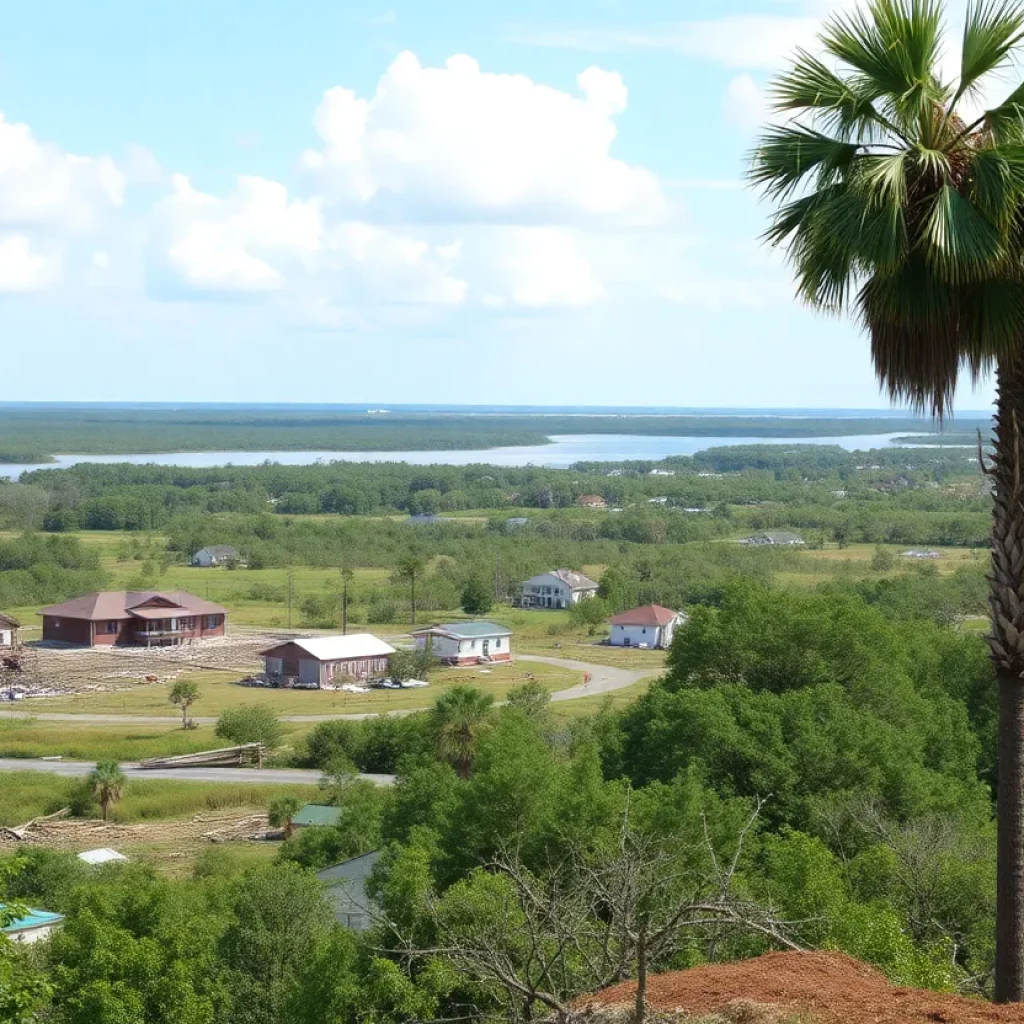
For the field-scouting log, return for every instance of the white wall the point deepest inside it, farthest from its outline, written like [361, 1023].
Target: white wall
[561, 593]
[633, 636]
[6, 637]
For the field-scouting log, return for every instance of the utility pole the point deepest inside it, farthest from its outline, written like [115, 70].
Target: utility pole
[291, 576]
[346, 574]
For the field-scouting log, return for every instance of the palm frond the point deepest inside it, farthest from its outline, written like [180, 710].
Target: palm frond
[1005, 123]
[996, 185]
[786, 155]
[992, 312]
[913, 321]
[993, 29]
[961, 245]
[894, 44]
[838, 105]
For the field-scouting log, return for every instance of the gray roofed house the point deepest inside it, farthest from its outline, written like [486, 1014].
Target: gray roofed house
[346, 890]
[216, 554]
[559, 588]
[780, 538]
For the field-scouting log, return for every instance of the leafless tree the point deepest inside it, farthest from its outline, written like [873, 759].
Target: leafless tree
[596, 917]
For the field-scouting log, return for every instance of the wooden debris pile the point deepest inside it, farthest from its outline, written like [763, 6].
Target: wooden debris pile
[246, 755]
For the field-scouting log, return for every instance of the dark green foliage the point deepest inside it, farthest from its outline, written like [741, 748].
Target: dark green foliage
[251, 723]
[477, 597]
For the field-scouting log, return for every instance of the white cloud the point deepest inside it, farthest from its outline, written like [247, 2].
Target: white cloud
[22, 268]
[100, 260]
[532, 268]
[141, 166]
[386, 266]
[40, 185]
[745, 102]
[460, 144]
[239, 244]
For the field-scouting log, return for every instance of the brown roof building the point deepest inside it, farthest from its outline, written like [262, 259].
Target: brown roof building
[133, 618]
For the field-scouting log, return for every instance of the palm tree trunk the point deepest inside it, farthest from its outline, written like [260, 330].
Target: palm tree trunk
[1007, 643]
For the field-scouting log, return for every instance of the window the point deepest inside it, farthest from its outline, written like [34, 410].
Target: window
[56, 623]
[112, 627]
[212, 621]
[497, 643]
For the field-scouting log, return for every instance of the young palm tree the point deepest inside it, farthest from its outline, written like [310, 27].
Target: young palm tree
[106, 781]
[460, 716]
[281, 811]
[898, 206]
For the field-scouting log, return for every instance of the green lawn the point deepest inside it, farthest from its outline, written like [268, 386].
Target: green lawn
[25, 795]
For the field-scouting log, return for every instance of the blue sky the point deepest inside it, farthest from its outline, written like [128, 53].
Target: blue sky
[336, 201]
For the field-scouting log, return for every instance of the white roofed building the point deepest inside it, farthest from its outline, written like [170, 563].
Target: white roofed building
[560, 588]
[466, 643]
[327, 662]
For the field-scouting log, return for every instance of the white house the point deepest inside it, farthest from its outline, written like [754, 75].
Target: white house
[649, 626]
[8, 631]
[774, 538]
[326, 662]
[466, 643]
[35, 926]
[559, 588]
[215, 554]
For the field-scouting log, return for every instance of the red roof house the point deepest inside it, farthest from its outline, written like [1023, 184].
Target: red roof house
[648, 626]
[133, 618]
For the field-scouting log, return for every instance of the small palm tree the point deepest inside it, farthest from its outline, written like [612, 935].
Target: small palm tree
[459, 718]
[184, 693]
[106, 781]
[898, 206]
[409, 569]
[282, 811]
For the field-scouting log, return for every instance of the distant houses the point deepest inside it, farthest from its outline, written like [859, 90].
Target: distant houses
[216, 554]
[34, 926]
[466, 643]
[591, 501]
[516, 522]
[10, 632]
[327, 662]
[774, 538]
[133, 619]
[559, 588]
[922, 554]
[346, 890]
[648, 626]
[427, 519]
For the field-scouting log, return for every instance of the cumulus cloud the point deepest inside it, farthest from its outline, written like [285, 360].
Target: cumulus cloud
[745, 102]
[40, 185]
[22, 268]
[533, 268]
[237, 244]
[461, 144]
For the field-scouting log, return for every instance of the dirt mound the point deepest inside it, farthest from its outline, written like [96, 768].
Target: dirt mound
[827, 987]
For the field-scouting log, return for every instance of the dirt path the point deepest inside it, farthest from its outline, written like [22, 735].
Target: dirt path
[603, 678]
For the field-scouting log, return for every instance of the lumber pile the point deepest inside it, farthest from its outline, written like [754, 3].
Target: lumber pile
[245, 755]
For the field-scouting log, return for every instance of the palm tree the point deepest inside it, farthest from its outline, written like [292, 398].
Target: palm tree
[410, 568]
[106, 781]
[184, 693]
[460, 716]
[282, 811]
[899, 207]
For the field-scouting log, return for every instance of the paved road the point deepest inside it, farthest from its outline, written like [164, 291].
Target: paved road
[603, 679]
[79, 768]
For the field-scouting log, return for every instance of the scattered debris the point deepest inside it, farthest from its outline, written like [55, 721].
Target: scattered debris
[246, 755]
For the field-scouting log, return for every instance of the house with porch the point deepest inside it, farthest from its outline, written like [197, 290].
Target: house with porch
[133, 618]
[466, 643]
[559, 588]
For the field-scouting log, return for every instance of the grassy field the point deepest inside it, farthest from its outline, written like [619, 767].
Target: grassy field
[26, 795]
[216, 695]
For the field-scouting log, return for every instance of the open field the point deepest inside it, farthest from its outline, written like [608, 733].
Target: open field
[217, 694]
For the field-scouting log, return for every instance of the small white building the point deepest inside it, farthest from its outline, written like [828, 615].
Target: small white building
[327, 662]
[35, 926]
[650, 626]
[104, 855]
[560, 588]
[8, 631]
[216, 554]
[466, 643]
[774, 538]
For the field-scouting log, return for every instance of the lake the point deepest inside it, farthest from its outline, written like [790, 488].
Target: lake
[564, 450]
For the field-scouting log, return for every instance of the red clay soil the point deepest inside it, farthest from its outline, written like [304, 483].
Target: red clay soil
[828, 987]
